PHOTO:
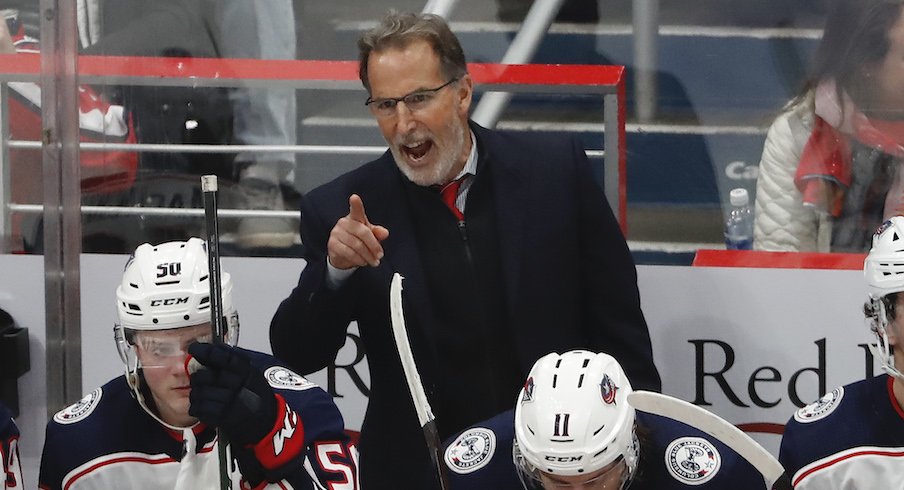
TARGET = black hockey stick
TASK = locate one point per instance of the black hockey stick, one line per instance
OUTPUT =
(415, 386)
(723, 430)
(217, 324)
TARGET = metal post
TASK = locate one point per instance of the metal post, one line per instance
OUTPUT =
(612, 160)
(523, 47)
(442, 8)
(6, 228)
(62, 201)
(646, 34)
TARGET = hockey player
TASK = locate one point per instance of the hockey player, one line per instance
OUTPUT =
(853, 437)
(572, 427)
(9, 451)
(154, 428)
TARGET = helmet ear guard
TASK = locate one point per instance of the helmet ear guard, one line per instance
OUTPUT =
(125, 348)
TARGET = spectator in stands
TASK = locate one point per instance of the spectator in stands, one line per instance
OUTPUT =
(262, 29)
(102, 172)
(502, 238)
(6, 39)
(831, 166)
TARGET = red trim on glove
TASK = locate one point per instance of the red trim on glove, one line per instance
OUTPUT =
(285, 441)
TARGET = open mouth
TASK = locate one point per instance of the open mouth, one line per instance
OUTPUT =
(416, 151)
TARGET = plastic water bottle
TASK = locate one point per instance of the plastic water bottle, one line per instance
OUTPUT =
(739, 226)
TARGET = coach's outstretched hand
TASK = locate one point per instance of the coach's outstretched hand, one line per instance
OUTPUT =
(231, 394)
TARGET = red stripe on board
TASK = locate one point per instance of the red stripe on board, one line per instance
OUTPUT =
(763, 428)
(778, 260)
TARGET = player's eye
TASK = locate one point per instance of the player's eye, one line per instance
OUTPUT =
(163, 349)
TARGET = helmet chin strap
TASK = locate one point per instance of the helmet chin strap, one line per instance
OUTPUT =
(882, 350)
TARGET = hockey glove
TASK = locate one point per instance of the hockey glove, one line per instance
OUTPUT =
(231, 394)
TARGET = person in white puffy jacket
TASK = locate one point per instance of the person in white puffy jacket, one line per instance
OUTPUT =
(830, 170)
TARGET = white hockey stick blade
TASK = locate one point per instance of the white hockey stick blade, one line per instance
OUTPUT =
(424, 412)
(712, 424)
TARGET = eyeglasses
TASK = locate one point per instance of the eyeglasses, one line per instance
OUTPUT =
(414, 101)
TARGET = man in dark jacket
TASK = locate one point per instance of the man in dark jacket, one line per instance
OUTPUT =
(501, 238)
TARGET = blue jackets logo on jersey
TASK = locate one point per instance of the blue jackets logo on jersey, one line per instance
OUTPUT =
(472, 450)
(820, 408)
(282, 378)
(80, 409)
(692, 460)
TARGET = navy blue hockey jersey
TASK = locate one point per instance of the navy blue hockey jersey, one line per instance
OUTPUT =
(673, 456)
(853, 437)
(107, 440)
(9, 451)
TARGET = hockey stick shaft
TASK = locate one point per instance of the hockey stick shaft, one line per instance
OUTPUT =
(211, 226)
(415, 386)
(710, 423)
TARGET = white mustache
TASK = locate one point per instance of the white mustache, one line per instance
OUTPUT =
(411, 139)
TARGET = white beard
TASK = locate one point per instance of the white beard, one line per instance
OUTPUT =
(447, 158)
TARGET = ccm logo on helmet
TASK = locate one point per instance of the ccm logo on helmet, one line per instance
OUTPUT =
(563, 459)
(169, 301)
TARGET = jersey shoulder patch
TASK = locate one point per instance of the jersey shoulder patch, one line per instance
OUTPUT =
(692, 460)
(285, 379)
(471, 451)
(80, 409)
(821, 408)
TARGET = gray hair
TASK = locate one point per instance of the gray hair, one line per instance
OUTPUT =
(398, 30)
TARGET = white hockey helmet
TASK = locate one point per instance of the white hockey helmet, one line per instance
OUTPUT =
(164, 287)
(884, 272)
(573, 418)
